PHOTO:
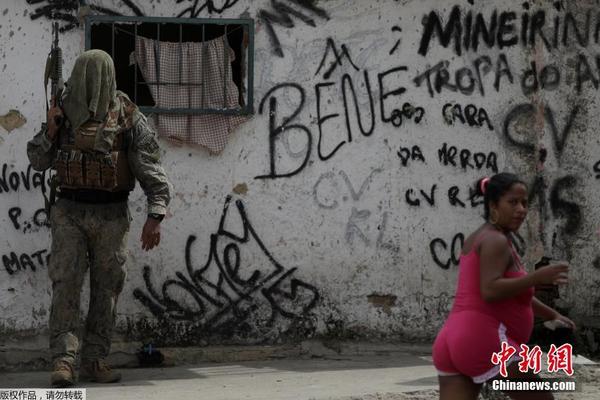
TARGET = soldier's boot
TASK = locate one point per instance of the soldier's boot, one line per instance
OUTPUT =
(98, 371)
(62, 374)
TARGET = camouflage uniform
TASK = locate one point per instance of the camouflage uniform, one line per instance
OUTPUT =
(95, 236)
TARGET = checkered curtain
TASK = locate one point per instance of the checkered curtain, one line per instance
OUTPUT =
(195, 73)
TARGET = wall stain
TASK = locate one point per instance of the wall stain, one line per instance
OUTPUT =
(240, 188)
(12, 120)
(384, 301)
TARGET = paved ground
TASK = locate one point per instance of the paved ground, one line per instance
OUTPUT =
(273, 380)
(375, 377)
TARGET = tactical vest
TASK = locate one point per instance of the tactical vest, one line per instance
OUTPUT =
(94, 156)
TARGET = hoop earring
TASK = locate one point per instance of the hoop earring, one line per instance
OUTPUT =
(493, 217)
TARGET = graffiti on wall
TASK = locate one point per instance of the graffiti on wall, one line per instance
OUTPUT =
(281, 13)
(466, 31)
(23, 221)
(383, 100)
(225, 294)
(13, 181)
(66, 11)
(348, 99)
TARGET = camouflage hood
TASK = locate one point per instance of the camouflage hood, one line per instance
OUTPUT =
(91, 88)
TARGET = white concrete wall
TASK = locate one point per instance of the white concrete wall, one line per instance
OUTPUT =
(349, 253)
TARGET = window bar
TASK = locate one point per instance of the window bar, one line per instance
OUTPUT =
(225, 70)
(242, 92)
(203, 65)
(158, 63)
(180, 51)
(250, 68)
(112, 41)
(135, 65)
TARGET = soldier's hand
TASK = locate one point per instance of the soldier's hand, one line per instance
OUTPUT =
(150, 234)
(54, 120)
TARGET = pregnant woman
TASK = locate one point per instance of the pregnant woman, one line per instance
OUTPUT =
(494, 300)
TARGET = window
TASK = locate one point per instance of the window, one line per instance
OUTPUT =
(143, 79)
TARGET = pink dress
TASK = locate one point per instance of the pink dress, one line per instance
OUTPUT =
(475, 329)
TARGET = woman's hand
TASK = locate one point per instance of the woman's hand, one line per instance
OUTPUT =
(560, 321)
(553, 274)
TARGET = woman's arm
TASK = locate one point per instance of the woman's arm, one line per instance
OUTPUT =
(549, 314)
(543, 311)
(494, 256)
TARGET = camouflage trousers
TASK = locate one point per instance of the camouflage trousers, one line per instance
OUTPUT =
(94, 237)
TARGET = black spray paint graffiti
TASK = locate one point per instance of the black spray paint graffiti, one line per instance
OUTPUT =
(466, 79)
(472, 115)
(452, 156)
(445, 254)
(413, 154)
(39, 219)
(418, 197)
(472, 78)
(209, 5)
(451, 250)
(66, 11)
(338, 55)
(467, 159)
(525, 113)
(34, 261)
(397, 116)
(287, 126)
(231, 298)
(395, 29)
(14, 181)
(345, 93)
(561, 205)
(282, 15)
(464, 31)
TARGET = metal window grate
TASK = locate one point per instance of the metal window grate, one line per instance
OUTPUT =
(246, 73)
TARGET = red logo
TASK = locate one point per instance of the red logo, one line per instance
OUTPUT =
(502, 357)
(561, 358)
(530, 359)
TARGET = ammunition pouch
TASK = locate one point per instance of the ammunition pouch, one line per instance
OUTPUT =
(95, 155)
(76, 169)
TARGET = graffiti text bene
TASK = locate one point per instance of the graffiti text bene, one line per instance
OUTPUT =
(352, 116)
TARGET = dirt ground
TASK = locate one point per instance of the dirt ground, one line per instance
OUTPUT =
(586, 376)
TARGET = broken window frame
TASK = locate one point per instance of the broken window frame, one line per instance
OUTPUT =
(246, 23)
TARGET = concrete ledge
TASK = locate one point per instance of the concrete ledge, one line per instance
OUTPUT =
(25, 357)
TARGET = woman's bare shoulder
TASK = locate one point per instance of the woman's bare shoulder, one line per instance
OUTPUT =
(484, 234)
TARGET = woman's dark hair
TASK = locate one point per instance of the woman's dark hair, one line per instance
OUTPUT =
(495, 188)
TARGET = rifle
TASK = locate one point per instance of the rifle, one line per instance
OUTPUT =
(54, 72)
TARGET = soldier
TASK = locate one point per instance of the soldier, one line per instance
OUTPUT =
(99, 143)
